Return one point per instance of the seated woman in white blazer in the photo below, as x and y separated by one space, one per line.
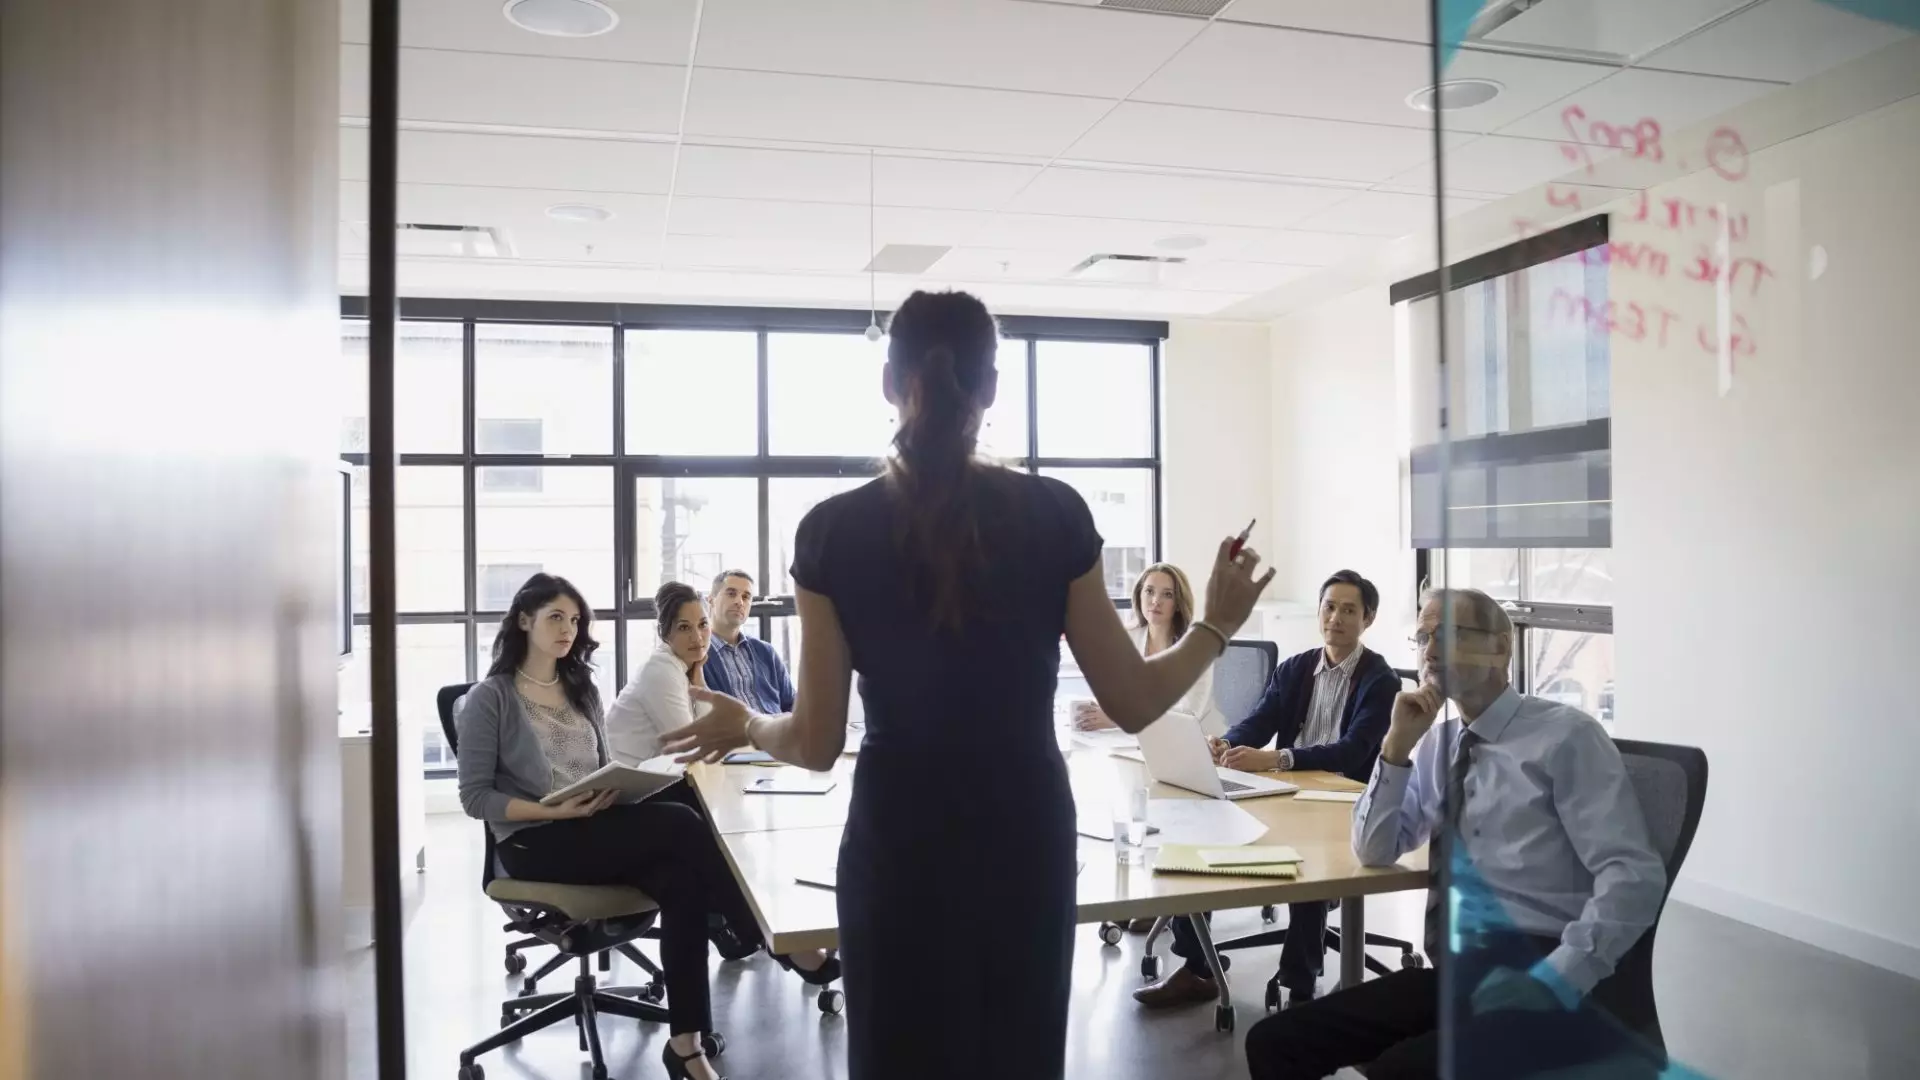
1162 612
655 700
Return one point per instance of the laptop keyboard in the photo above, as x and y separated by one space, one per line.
1231 786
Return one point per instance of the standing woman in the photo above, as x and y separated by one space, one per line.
1162 615
947 584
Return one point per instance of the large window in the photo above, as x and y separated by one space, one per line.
1527 453
622 447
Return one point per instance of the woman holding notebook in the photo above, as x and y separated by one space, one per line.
534 726
947 584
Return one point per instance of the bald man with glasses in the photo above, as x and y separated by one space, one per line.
1555 875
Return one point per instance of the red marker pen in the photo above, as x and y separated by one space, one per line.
1241 540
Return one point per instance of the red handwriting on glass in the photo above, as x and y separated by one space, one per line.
1638 140
1627 253
1727 153
1739 341
1708 268
1681 214
1643 322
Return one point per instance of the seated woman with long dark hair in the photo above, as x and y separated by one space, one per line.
533 726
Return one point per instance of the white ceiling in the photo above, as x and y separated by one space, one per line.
730 138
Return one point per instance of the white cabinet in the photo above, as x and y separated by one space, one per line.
356 816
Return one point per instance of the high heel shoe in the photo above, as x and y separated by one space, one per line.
827 972
677 1065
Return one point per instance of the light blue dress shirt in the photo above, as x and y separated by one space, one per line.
1552 827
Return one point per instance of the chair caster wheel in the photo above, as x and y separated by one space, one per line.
1273 997
1411 961
1149 968
655 991
506 1018
472 1072
1268 915
1110 933
713 1043
606 960
1226 963
516 963
599 1072
832 1002
1223 1018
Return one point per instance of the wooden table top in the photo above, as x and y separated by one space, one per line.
772 840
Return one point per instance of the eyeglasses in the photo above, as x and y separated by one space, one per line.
1420 639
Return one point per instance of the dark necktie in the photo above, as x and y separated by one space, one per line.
1456 797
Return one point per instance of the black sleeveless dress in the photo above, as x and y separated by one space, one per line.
957 868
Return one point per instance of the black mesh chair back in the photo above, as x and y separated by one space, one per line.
1240 677
1671 784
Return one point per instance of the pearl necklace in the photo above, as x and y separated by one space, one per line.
537 682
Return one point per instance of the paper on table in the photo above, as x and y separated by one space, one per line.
1108 739
1309 795
1252 855
1203 822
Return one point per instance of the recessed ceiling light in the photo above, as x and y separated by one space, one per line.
1186 242
1454 94
578 212
561 18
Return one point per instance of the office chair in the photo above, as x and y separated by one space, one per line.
1408 957
1671 784
580 922
1239 681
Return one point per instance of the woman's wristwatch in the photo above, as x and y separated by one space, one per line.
1286 760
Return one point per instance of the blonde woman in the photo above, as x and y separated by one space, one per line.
1162 615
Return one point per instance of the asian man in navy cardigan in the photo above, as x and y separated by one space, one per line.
1325 709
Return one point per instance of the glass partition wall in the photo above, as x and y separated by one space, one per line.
1651 345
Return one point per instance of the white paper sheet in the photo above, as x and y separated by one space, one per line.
1203 822
1109 739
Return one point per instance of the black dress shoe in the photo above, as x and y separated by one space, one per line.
677 1065
826 973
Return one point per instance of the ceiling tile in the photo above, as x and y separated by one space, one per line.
1304 248
1620 29
653 31
822 222
1629 97
745 173
1787 40
632 234
844 255
1168 197
522 91
1088 235
1007 264
858 112
1386 213
1294 73
989 43
1252 142
1494 164
558 163
1402 20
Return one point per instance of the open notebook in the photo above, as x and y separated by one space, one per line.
1192 859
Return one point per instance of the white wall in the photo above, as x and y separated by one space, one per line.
1336 464
1216 445
1767 542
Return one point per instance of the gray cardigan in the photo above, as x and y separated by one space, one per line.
500 757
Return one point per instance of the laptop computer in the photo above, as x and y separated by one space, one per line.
1176 753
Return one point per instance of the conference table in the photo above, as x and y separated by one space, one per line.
783 850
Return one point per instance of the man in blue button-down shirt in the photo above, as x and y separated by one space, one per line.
1555 876
741 666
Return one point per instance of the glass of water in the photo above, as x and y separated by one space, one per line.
1130 820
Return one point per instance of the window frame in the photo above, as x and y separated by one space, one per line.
1527 613
762 466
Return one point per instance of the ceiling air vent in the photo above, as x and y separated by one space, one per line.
905 258
1205 9
469 241
1127 269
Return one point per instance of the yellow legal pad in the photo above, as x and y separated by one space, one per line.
1187 859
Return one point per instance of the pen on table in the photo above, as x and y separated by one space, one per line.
1241 540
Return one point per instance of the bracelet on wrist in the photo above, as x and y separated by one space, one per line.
1203 624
